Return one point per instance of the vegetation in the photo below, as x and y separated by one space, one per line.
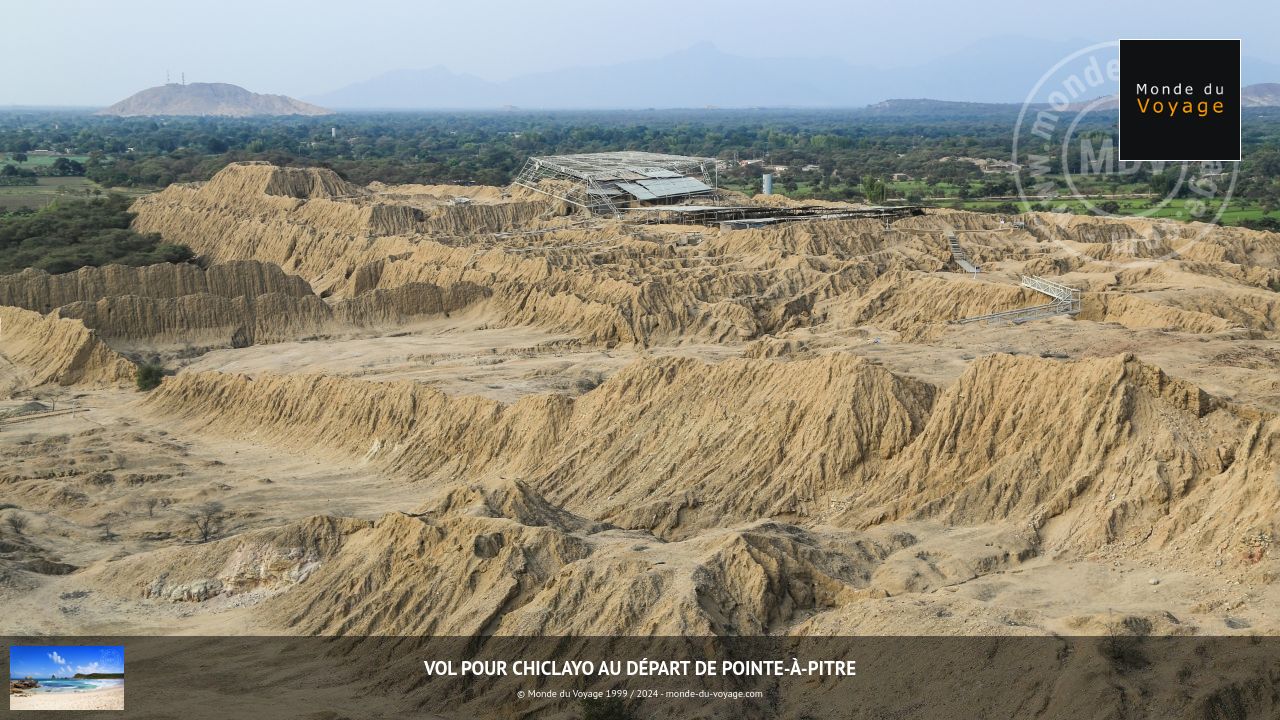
77 233
16 522
874 190
148 376
207 519
913 154
11 175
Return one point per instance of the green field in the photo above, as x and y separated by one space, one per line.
50 189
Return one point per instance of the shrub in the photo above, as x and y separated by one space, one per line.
148 376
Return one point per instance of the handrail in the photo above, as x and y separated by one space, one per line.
1066 301
1054 290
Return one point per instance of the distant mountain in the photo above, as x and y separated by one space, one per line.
201 99
1261 95
994 70
704 76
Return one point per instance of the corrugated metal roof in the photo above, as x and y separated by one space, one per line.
666 187
639 192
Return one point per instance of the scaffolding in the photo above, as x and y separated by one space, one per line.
743 217
604 183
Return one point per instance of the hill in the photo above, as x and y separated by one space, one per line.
1261 95
201 99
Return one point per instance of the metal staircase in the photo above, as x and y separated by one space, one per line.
958 254
1066 301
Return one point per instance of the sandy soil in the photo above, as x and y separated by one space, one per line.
858 464
111 698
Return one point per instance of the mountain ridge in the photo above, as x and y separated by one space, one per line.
703 76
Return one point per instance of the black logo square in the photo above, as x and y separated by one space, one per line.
1179 100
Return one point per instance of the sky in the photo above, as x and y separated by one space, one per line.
64 660
95 52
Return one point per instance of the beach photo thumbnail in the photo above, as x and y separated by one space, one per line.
66 677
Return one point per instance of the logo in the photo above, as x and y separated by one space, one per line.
1180 100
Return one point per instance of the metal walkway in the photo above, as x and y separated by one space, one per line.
1066 301
959 255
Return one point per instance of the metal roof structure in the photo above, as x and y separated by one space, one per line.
600 182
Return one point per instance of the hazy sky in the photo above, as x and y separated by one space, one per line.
94 52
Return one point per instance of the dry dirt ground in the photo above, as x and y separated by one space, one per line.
422 415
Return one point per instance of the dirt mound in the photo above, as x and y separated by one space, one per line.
499 559
457 571
262 178
50 350
309 221
1087 452
668 445
1134 311
920 306
272 559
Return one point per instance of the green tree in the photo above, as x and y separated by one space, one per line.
64 167
874 190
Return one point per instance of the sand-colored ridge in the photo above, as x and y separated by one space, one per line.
263 178
37 290
1090 452
209 320
615 284
61 351
690 455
